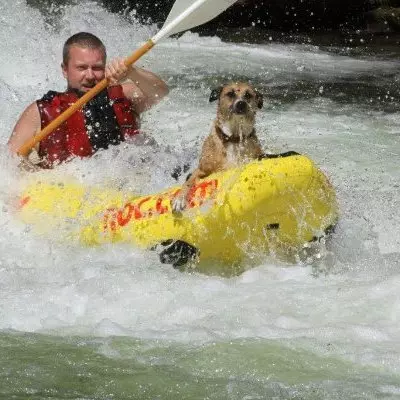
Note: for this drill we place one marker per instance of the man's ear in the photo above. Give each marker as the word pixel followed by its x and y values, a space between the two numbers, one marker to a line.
pixel 64 70
pixel 215 93
pixel 259 99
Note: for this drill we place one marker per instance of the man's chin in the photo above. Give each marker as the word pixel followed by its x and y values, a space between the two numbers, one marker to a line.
pixel 86 88
pixel 81 89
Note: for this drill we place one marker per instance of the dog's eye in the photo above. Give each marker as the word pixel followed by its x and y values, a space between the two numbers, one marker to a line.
pixel 248 96
pixel 231 94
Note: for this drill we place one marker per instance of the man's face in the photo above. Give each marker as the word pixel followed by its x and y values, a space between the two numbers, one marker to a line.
pixel 85 68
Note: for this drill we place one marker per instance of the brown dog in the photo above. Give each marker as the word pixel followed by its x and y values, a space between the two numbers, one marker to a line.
pixel 232 140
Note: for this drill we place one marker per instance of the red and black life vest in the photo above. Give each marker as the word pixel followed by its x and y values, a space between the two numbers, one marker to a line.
pixel 105 120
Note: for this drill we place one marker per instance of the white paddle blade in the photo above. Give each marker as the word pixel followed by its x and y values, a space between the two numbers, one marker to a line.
pixel 186 14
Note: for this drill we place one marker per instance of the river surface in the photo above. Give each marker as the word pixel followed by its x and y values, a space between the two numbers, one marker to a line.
pixel 114 323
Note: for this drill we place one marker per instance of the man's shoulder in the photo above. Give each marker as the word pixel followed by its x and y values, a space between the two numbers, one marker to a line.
pixel 32 109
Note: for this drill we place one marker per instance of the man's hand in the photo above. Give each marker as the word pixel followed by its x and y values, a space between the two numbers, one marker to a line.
pixel 143 87
pixel 116 71
pixel 26 164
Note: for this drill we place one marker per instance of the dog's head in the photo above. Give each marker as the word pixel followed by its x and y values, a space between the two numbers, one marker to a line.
pixel 237 98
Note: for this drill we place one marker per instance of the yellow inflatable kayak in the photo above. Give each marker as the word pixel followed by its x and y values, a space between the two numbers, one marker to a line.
pixel 267 206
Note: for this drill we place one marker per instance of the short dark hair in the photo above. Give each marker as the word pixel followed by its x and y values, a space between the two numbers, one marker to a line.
pixel 82 39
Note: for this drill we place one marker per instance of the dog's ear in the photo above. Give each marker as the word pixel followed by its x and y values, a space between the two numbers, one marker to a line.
pixel 215 93
pixel 259 99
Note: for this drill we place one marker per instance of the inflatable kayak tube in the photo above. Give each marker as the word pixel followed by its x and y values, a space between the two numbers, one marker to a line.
pixel 269 206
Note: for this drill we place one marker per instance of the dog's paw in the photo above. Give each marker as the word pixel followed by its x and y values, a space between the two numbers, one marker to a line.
pixel 179 170
pixel 178 203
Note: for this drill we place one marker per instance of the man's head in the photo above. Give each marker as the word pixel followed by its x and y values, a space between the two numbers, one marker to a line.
pixel 84 61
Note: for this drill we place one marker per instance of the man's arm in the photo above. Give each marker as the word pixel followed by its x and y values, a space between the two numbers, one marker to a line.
pixel 144 87
pixel 25 128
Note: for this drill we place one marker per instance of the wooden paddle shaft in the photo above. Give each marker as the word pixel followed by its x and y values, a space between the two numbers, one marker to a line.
pixel 27 146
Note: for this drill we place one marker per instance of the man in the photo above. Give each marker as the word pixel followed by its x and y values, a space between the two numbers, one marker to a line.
pixel 107 119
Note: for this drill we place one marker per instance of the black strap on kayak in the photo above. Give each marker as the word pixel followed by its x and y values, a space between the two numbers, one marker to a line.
pixel 281 155
pixel 178 253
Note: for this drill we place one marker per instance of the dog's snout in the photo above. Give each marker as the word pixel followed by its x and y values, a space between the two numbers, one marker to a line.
pixel 240 107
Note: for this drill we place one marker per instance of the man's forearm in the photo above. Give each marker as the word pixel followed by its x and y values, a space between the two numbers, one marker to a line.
pixel 152 87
